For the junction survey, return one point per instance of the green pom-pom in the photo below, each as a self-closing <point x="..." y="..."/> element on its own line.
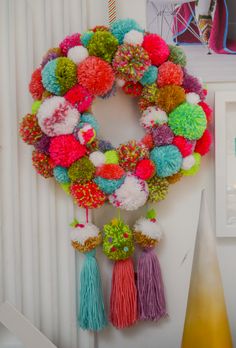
<point x="188" y="120"/>
<point x="195" y="168"/>
<point x="86" y="37"/>
<point x="118" y="240"/>
<point x="158" y="188"/>
<point x="104" y="45"/>
<point x="66" y="188"/>
<point x="177" y="55"/>
<point x="149" y="76"/>
<point x="82" y="170"/>
<point x="66" y="74"/>
<point x="111" y="157"/>
<point x="151" y="214"/>
<point x="35" y="106"/>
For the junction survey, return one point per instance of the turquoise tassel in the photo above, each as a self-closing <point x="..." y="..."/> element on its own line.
<point x="92" y="314"/>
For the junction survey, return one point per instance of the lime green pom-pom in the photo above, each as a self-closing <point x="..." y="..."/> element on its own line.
<point x="104" y="45"/>
<point x="177" y="55"/>
<point x="82" y="170"/>
<point x="195" y="168"/>
<point x="35" y="106"/>
<point x="188" y="120"/>
<point x="111" y="157"/>
<point x="158" y="188"/>
<point x="66" y="187"/>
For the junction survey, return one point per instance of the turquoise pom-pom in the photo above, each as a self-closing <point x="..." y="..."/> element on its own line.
<point x="108" y="186"/>
<point x="122" y="26"/>
<point x="167" y="159"/>
<point x="86" y="37"/>
<point x="49" y="79"/>
<point x="150" y="76"/>
<point x="89" y="118"/>
<point x="60" y="174"/>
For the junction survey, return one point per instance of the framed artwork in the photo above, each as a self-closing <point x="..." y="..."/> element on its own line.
<point x="225" y="163"/>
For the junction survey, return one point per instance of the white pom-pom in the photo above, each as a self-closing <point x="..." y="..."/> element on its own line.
<point x="83" y="232"/>
<point x="97" y="158"/>
<point x="152" y="116"/>
<point x="78" y="54"/>
<point x="188" y="162"/>
<point x="120" y="82"/>
<point x="132" y="194"/>
<point x="133" y="37"/>
<point x="149" y="228"/>
<point x="192" y="98"/>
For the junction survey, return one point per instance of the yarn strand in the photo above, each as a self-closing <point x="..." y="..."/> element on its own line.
<point x="112" y="11"/>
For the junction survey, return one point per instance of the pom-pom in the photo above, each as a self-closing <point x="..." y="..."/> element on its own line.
<point x="203" y="144"/>
<point x="105" y="145"/>
<point x="104" y="45"/>
<point x="79" y="97"/>
<point x="100" y="28"/>
<point x="207" y="109"/>
<point x="111" y="157"/>
<point x="130" y="154"/>
<point x="43" y="144"/>
<point x="153" y="116"/>
<point x="188" y="162"/>
<point x="192" y="98"/>
<point x="85" y="133"/>
<point x="89" y="118"/>
<point x="120" y="82"/>
<point x="122" y="26"/>
<point x="169" y="74"/>
<point x="147" y="141"/>
<point x="87" y="195"/>
<point x="30" y="131"/>
<point x="192" y="84"/>
<point x="69" y="42"/>
<point x="66" y="188"/>
<point x="65" y="149"/>
<point x="168" y="160"/>
<point x="188" y="120"/>
<point x="148" y="97"/>
<point x="61" y="175"/>
<point x="133" y="37"/>
<point x="35" y="106"/>
<point x="132" y="194"/>
<point x="131" y="88"/>
<point x="145" y="169"/>
<point x="169" y="97"/>
<point x="59" y="75"/>
<point x="51" y="54"/>
<point x="173" y="179"/>
<point x="147" y="232"/>
<point x="56" y="116"/>
<point x="157" y="48"/>
<point x="86" y="37"/>
<point x="81" y="170"/>
<point x="195" y="168"/>
<point x="77" y="54"/>
<point x="130" y="62"/>
<point x="162" y="135"/>
<point x="110" y="93"/>
<point x="150" y="75"/>
<point x="177" y="55"/>
<point x="96" y="75"/>
<point x="185" y="146"/>
<point x="97" y="158"/>
<point x="158" y="188"/>
<point x="85" y="236"/>
<point x="42" y="164"/>
<point x="36" y="88"/>
<point x="110" y="171"/>
<point x="108" y="186"/>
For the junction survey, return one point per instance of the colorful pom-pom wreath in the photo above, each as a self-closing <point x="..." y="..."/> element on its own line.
<point x="64" y="132"/>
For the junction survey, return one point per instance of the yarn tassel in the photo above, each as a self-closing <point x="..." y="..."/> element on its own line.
<point x="92" y="314"/>
<point x="151" y="297"/>
<point x="123" y="301"/>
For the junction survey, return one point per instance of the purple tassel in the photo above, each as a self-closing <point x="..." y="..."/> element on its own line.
<point x="151" y="297"/>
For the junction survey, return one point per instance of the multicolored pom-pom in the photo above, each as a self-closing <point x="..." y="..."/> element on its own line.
<point x="30" y="130"/>
<point x="42" y="163"/>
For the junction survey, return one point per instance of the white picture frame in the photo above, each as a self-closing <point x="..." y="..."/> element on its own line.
<point x="225" y="163"/>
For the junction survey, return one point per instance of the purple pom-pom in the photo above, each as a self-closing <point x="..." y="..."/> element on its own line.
<point x="162" y="135"/>
<point x="104" y="145"/>
<point x="42" y="144"/>
<point x="192" y="84"/>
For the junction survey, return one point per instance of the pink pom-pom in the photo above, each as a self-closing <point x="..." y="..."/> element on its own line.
<point x="65" y="149"/>
<point x="203" y="144"/>
<point x="145" y="169"/>
<point x="157" y="48"/>
<point x="36" y="88"/>
<point x="207" y="109"/>
<point x="170" y="74"/>
<point x="79" y="97"/>
<point x="95" y="75"/>
<point x="185" y="146"/>
<point x="69" y="42"/>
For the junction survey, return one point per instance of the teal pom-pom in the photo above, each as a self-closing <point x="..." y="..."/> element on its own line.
<point x="167" y="159"/>
<point x="49" y="77"/>
<point x="86" y="37"/>
<point x="92" y="314"/>
<point x="122" y="26"/>
<point x="86" y="117"/>
<point x="61" y="175"/>
<point x="108" y="186"/>
<point x="188" y="120"/>
<point x="150" y="76"/>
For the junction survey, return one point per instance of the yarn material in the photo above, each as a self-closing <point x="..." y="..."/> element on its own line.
<point x="123" y="299"/>
<point x="169" y="97"/>
<point x="42" y="164"/>
<point x="147" y="141"/>
<point x="131" y="88"/>
<point x="97" y="158"/>
<point x="133" y="37"/>
<point x="30" y="130"/>
<point x="162" y="135"/>
<point x="148" y="97"/>
<point x="192" y="84"/>
<point x="195" y="168"/>
<point x="36" y="88"/>
<point x="150" y="76"/>
<point x="51" y="54"/>
<point x="110" y="171"/>
<point x="108" y="186"/>
<point x="153" y="116"/>
<point x="61" y="175"/>
<point x="173" y="179"/>
<point x="158" y="188"/>
<point x="203" y="144"/>
<point x="92" y="314"/>
<point x="81" y="170"/>
<point x="69" y="42"/>
<point x="84" y="133"/>
<point x="111" y="157"/>
<point x="207" y="109"/>
<point x="145" y="169"/>
<point x="130" y="154"/>
<point x="170" y="74"/>
<point x="168" y="160"/>
<point x="79" y="97"/>
<point x="105" y="145"/>
<point x="77" y="54"/>
<point x="103" y="44"/>
<point x="87" y="195"/>
<point x="184" y="145"/>
<point x="177" y="55"/>
<point x="151" y="297"/>
<point x="86" y="117"/>
<point x="157" y="48"/>
<point x="43" y="144"/>
<point x="35" y="106"/>
<point x="123" y="26"/>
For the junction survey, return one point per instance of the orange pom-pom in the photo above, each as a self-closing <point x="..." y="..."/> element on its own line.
<point x="88" y="195"/>
<point x="110" y="171"/>
<point x="170" y="74"/>
<point x="36" y="88"/>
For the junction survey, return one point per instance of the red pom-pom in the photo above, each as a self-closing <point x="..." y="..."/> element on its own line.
<point x="95" y="75"/>
<point x="157" y="48"/>
<point x="42" y="163"/>
<point x="207" y="109"/>
<point x="65" y="149"/>
<point x="145" y="169"/>
<point x="79" y="97"/>
<point x="134" y="89"/>
<point x="88" y="195"/>
<point x="185" y="146"/>
<point x="110" y="171"/>
<point x="147" y="140"/>
<point x="69" y="42"/>
<point x="170" y="74"/>
<point x="30" y="131"/>
<point x="36" y="88"/>
<point x="203" y="144"/>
